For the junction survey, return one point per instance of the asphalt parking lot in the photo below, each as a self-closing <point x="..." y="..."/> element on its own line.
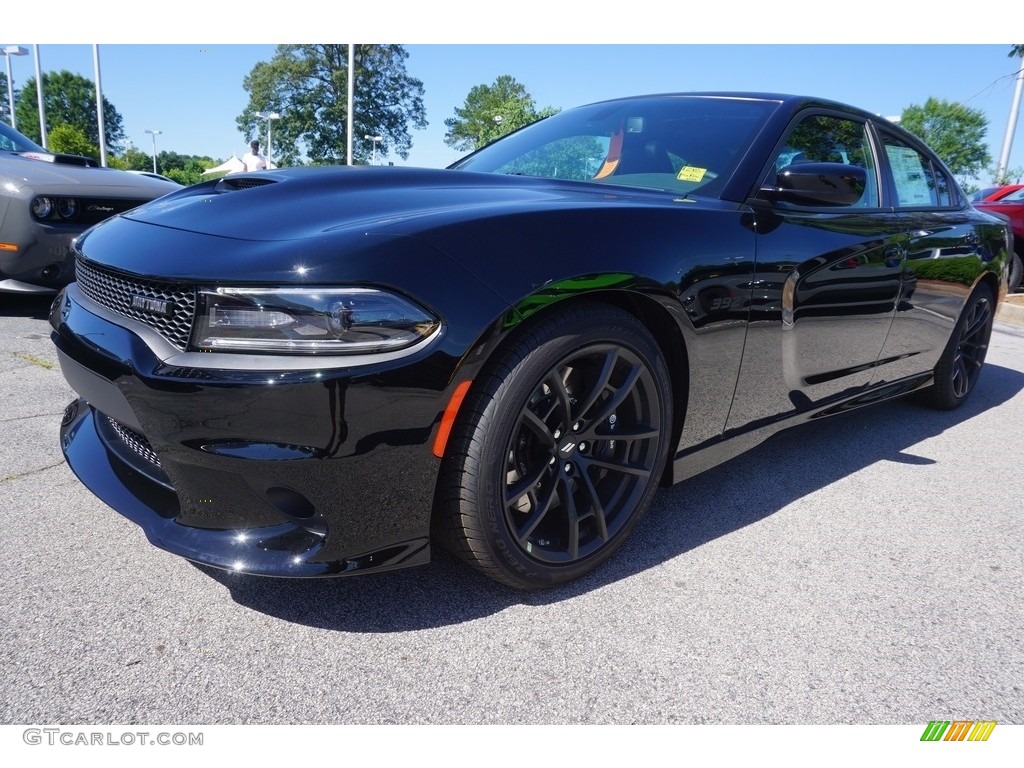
<point x="866" y="569"/>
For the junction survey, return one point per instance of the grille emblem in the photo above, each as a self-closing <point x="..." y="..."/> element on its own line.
<point x="153" y="306"/>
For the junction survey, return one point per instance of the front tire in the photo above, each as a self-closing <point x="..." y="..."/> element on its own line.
<point x="960" y="365"/>
<point x="558" y="449"/>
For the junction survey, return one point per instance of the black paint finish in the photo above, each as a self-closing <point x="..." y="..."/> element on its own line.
<point x="767" y="314"/>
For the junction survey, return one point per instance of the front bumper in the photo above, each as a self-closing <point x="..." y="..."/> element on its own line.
<point x="302" y="472"/>
<point x="43" y="261"/>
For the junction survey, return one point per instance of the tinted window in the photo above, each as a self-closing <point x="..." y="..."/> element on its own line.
<point x="916" y="180"/>
<point x="676" y="144"/>
<point x="12" y="141"/>
<point x="827" y="139"/>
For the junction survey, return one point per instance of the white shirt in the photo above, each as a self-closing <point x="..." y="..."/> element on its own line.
<point x="254" y="161"/>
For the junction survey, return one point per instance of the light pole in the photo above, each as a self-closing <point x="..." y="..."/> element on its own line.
<point x="8" y="51"/>
<point x="374" y="139"/>
<point x="39" y="96"/>
<point x="1011" y="125"/>
<point x="154" y="146"/>
<point x="269" y="117"/>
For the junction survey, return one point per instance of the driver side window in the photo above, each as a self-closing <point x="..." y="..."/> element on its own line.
<point x="828" y="139"/>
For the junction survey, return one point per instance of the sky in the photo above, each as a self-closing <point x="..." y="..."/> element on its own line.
<point x="192" y="92"/>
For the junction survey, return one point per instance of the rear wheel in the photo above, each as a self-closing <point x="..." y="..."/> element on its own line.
<point x="558" y="450"/>
<point x="961" y="362"/>
<point x="1016" y="273"/>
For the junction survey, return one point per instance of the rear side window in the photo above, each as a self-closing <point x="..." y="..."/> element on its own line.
<point x="917" y="180"/>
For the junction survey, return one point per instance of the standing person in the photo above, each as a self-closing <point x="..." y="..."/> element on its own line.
<point x="253" y="160"/>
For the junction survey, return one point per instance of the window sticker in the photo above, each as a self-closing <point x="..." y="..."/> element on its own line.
<point x="689" y="173"/>
<point x="910" y="176"/>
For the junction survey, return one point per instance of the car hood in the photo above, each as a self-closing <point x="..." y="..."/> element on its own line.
<point x="312" y="202"/>
<point x="42" y="175"/>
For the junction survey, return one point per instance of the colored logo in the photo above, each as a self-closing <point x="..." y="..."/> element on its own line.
<point x="958" y="730"/>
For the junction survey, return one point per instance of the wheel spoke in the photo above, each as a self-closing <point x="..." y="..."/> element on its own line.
<point x="603" y="378"/>
<point x="959" y="377"/>
<point x="971" y="360"/>
<point x="597" y="508"/>
<point x="572" y="519"/>
<point x="978" y="321"/>
<point x="541" y="507"/>
<point x="517" y="490"/>
<point x="557" y="385"/>
<point x="620" y="395"/>
<point x="624" y="468"/>
<point x="535" y="424"/>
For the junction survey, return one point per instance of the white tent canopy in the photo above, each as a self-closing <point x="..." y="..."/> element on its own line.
<point x="231" y="165"/>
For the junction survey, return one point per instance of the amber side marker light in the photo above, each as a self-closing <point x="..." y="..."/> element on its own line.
<point x="448" y="419"/>
<point x="8" y="247"/>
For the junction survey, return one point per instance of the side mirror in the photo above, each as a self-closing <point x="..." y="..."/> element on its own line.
<point x="831" y="184"/>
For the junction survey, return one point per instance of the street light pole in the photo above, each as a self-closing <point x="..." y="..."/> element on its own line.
<point x="374" y="139"/>
<point x="39" y="97"/>
<point x="8" y="51"/>
<point x="154" y="146"/>
<point x="99" y="106"/>
<point x="269" y="117"/>
<point x="1011" y="126"/>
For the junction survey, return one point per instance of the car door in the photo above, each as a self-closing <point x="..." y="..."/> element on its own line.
<point x="828" y="273"/>
<point x="945" y="255"/>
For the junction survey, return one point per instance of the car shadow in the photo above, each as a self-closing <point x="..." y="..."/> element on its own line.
<point x="716" y="503"/>
<point x="34" y="306"/>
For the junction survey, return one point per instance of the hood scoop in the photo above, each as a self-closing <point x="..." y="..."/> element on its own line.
<point x="61" y="159"/>
<point x="228" y="184"/>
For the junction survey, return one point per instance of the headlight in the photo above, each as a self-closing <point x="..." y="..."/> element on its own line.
<point x="317" y="321"/>
<point x="67" y="207"/>
<point x="42" y="207"/>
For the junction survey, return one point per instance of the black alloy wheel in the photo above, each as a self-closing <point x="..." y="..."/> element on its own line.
<point x="960" y="365"/>
<point x="561" y="449"/>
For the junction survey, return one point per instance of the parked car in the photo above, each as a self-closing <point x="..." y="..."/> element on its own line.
<point x="1010" y="204"/>
<point x="991" y="194"/>
<point x="326" y="371"/>
<point x="46" y="200"/>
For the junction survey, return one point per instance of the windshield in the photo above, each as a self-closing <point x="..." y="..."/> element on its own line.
<point x="12" y="141"/>
<point x="679" y="144"/>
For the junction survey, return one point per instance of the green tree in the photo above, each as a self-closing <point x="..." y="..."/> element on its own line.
<point x="184" y="169"/>
<point x="1016" y="51"/>
<point x="133" y="159"/>
<point x="954" y="131"/>
<point x="1010" y="175"/>
<point x="69" y="99"/>
<point x="71" y="140"/>
<point x="308" y="86"/>
<point x="490" y="112"/>
<point x="192" y="171"/>
<point x="5" y="113"/>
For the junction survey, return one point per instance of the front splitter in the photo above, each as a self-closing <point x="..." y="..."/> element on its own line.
<point x="284" y="550"/>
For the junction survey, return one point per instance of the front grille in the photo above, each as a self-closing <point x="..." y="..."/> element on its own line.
<point x="95" y="210"/>
<point x="135" y="442"/>
<point x="115" y="292"/>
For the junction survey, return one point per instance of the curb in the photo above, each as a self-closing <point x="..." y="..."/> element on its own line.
<point x="1010" y="312"/>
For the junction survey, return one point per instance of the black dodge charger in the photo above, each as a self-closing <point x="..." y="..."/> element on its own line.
<point x="325" y="371"/>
